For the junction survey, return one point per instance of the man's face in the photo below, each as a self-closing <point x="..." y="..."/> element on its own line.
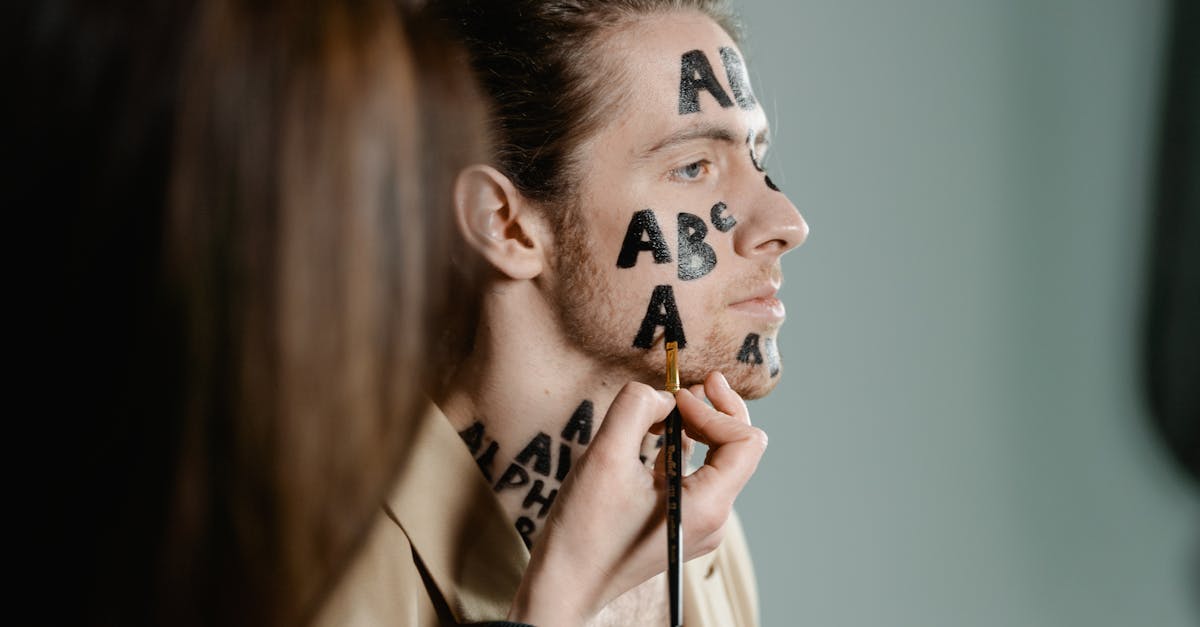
<point x="677" y="231"/>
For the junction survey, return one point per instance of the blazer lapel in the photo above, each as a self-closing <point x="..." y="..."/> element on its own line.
<point x="473" y="554"/>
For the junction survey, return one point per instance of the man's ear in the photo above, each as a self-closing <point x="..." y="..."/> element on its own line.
<point x="498" y="222"/>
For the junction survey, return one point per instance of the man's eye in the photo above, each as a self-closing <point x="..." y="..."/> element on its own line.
<point x="691" y="171"/>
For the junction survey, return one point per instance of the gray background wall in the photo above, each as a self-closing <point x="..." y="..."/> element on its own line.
<point x="959" y="438"/>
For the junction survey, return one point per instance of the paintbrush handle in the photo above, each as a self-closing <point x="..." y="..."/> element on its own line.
<point x="674" y="459"/>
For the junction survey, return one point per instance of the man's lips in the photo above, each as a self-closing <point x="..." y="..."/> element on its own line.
<point x="762" y="304"/>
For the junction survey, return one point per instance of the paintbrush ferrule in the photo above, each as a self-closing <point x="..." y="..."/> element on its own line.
<point x="672" y="367"/>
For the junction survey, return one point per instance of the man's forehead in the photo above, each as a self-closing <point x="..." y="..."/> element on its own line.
<point x="686" y="79"/>
<point x="652" y="49"/>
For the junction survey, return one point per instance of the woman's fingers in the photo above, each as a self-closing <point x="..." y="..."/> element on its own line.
<point x="695" y="545"/>
<point x="709" y="424"/>
<point x="632" y="413"/>
<point x="660" y="464"/>
<point x="618" y="518"/>
<point x="724" y="399"/>
<point x="735" y="449"/>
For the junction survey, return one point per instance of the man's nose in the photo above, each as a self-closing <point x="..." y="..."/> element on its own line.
<point x="769" y="225"/>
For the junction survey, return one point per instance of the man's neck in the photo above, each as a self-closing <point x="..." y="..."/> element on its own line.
<point x="527" y="402"/>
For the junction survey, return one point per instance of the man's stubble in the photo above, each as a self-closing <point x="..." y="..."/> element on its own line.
<point x="588" y="313"/>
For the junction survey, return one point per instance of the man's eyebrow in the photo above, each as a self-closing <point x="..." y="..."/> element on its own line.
<point x="706" y="131"/>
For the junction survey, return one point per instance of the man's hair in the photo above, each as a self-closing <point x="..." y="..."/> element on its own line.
<point x="535" y="60"/>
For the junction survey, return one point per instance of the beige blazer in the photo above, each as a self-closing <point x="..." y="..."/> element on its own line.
<point x="443" y="553"/>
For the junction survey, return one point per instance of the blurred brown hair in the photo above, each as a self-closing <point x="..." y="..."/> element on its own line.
<point x="264" y="323"/>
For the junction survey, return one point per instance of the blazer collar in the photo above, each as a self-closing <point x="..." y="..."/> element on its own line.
<point x="456" y="526"/>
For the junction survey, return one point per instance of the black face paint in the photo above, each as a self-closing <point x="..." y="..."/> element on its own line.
<point x="721" y="222"/>
<point x="536" y="457"/>
<point x="661" y="312"/>
<point x="643" y="223"/>
<point x="538" y="447"/>
<point x="739" y="82"/>
<point x="773" y="363"/>
<point x="750" y="353"/>
<point x="758" y="166"/>
<point x="525" y="527"/>
<point x="486" y="460"/>
<point x="754" y="158"/>
<point x="695" y="74"/>
<point x="579" y="427"/>
<point x="535" y="496"/>
<point x="473" y="436"/>
<point x="696" y="258"/>
<point x="658" y="443"/>
<point x="514" y="477"/>
<point x="564" y="462"/>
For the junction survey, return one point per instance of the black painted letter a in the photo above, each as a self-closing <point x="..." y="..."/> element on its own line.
<point x="662" y="312"/>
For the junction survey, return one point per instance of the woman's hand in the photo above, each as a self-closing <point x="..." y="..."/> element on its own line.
<point x="606" y="532"/>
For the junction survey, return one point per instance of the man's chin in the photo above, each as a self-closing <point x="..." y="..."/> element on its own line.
<point x="752" y="382"/>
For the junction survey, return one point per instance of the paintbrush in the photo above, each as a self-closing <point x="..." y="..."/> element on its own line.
<point x="674" y="459"/>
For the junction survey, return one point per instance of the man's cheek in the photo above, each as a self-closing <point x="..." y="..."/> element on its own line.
<point x="643" y="235"/>
<point x="722" y="220"/>
<point x="661" y="312"/>
<point x="694" y="257"/>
